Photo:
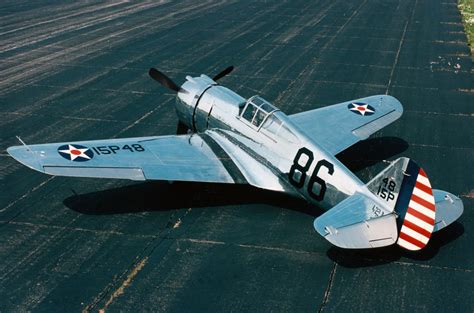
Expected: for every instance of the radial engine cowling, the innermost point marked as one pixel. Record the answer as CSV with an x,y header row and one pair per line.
x,y
202,103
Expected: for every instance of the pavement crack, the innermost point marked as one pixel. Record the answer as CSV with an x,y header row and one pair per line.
x,y
203,241
440,113
246,246
138,121
466,90
438,146
469,195
77,229
126,283
389,84
296,85
150,246
327,293
37,250
464,270
145,254
24,196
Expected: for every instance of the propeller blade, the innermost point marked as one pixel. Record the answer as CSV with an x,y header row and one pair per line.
x,y
223,73
163,79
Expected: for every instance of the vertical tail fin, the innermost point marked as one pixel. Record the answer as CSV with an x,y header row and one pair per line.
x,y
407,190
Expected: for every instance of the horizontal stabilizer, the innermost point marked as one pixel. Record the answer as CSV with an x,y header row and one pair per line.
x,y
358,223
448,209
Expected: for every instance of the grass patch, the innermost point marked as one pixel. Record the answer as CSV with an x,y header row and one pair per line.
x,y
467,11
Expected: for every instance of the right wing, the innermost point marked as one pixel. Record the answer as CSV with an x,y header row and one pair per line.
x,y
339,126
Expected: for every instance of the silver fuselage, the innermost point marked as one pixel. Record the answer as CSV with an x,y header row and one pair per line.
x,y
303,166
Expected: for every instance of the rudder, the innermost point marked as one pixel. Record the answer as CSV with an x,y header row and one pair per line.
x,y
406,189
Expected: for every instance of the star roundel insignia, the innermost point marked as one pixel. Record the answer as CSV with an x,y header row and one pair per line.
x,y
361,108
76,153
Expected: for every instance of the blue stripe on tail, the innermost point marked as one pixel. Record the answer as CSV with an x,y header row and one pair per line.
x,y
408,184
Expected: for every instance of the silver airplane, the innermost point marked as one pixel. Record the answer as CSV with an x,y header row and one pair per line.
x,y
225,138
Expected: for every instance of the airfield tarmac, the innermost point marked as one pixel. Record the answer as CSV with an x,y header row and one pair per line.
x,y
78,71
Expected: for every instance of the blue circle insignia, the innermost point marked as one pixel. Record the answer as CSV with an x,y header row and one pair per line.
x,y
76,153
361,108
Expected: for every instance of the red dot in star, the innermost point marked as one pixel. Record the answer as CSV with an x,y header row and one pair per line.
x,y
361,109
75,152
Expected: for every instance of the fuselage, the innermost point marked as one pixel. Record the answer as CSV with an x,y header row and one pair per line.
x,y
304,167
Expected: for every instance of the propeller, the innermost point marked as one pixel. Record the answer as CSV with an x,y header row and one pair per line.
x,y
223,73
164,80
168,83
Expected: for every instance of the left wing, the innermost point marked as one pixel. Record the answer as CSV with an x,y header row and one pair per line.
x,y
339,126
180,158
213,156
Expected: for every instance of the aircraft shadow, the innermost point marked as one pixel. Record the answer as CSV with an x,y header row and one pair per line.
x,y
371,151
372,257
162,196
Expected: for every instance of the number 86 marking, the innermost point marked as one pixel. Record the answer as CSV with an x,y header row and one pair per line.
x,y
314,177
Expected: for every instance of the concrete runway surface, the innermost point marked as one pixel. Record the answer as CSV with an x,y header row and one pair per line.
x,y
78,71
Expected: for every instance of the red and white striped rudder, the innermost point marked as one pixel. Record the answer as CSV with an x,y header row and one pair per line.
x,y
419,218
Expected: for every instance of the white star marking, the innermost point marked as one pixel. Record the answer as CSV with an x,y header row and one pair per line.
x,y
362,109
75,152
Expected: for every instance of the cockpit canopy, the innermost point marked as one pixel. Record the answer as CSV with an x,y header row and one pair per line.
x,y
266,118
256,110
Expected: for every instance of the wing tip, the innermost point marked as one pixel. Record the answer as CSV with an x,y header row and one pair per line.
x,y
392,101
26,156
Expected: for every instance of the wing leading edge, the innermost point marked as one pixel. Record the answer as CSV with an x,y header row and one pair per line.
x,y
339,126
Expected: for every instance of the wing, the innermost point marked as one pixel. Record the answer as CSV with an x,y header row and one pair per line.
x,y
180,158
339,126
214,156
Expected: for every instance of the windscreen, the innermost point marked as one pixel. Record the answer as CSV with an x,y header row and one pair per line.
x,y
257,110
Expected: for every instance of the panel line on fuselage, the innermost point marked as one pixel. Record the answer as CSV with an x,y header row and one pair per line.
x,y
225,159
197,103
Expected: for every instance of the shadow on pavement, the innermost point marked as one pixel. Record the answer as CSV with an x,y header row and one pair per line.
x,y
379,256
160,196
371,151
